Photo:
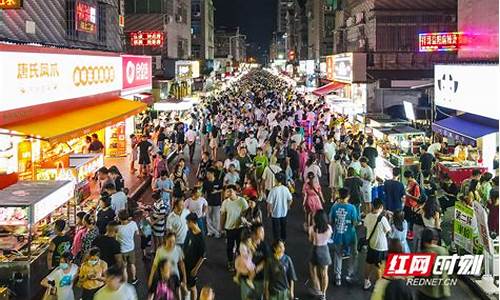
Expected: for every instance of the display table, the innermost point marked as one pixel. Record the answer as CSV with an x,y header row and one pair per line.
x,y
457,172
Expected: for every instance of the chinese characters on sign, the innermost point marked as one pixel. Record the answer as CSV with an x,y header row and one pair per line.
x,y
441,41
11,4
86,17
427,264
147,38
37,70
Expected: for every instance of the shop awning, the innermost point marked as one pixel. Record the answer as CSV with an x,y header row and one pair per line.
x,y
77,123
326,89
462,130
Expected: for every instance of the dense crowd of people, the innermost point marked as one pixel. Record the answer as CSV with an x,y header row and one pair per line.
x,y
263,148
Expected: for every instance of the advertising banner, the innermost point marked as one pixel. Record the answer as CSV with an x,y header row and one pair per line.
x,y
186,69
85,17
137,73
461,87
329,67
463,228
30,78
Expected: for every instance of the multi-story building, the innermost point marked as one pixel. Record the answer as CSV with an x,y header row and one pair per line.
x,y
387,32
230,43
54,23
202,29
172,18
315,12
288,34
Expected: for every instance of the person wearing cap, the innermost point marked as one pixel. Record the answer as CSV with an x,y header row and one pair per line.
x,y
194,253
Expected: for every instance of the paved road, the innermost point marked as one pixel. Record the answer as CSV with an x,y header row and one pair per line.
x,y
215,274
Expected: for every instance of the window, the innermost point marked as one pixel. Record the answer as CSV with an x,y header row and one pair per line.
x,y
181,48
101,24
181,14
195,27
70,19
155,6
129,6
141,7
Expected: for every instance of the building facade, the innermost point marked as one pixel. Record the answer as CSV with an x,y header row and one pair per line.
x,y
315,12
55,22
202,29
172,18
230,43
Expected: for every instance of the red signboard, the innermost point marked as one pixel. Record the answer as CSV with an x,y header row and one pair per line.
x,y
147,38
11,4
440,41
86,17
137,72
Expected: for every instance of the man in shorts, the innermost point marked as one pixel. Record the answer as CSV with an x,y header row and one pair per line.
x,y
127,230
377,228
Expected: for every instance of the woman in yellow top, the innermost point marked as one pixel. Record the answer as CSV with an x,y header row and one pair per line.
x,y
461,152
92,274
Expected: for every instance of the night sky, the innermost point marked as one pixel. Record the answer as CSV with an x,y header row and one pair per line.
x,y
256,19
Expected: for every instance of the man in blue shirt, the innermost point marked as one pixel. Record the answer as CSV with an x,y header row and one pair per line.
x,y
394,192
344,217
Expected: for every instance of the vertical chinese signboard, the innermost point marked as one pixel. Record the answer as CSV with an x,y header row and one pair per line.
x,y
463,227
329,67
85,17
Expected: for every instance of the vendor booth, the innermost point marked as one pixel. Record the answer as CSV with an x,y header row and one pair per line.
x,y
27,210
475,123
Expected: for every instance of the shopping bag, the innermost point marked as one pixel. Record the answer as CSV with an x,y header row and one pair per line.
x,y
50,294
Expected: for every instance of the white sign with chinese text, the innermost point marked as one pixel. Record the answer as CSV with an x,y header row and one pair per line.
x,y
29,78
468,88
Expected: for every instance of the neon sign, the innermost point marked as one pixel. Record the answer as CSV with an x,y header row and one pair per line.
x,y
440,41
86,17
11,4
147,38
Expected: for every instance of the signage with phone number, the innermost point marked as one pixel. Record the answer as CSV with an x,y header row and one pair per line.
x,y
86,17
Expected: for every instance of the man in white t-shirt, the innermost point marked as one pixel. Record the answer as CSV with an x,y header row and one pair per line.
x,y
377,228
252,143
125,236
115,288
118,199
269,174
176,222
278,203
297,137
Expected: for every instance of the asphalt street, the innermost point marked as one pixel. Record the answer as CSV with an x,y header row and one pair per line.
x,y
215,274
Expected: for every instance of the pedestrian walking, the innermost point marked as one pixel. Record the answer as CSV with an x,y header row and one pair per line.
x,y
176,221
279,202
319,234
115,287
92,274
194,254
127,231
280,275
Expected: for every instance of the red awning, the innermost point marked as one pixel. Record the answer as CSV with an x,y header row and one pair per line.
x,y
326,89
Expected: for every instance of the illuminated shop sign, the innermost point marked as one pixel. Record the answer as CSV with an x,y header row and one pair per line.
x,y
440,41
147,38
11,4
86,17
30,78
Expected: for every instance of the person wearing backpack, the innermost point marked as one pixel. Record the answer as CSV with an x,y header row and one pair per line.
x,y
377,228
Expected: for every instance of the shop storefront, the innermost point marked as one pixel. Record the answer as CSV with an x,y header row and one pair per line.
x,y
347,73
51,101
475,123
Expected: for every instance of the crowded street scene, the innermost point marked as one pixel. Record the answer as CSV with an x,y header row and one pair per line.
x,y
202,150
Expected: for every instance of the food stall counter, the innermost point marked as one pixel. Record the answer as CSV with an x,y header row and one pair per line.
x,y
27,210
458,172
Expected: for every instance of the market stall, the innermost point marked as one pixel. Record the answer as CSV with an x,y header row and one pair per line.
x,y
26,211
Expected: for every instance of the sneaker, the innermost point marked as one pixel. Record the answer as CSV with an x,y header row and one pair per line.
x,y
350,278
338,281
367,285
